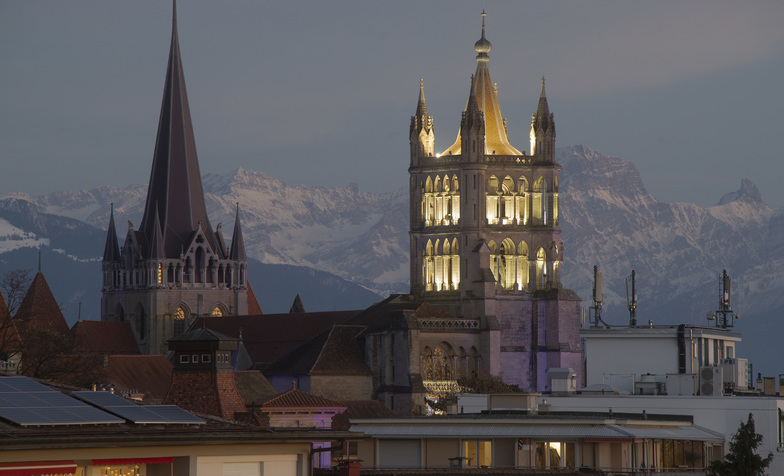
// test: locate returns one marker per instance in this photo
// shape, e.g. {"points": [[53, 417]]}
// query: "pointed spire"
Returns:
{"points": [[237, 243], [297, 306], [543, 110], [111, 252], [421, 109], [485, 95], [175, 190]]}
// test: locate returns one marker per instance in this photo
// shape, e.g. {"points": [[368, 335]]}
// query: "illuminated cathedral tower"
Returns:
{"points": [[485, 234], [174, 267]]}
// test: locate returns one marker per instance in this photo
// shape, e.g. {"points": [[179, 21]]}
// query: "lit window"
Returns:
{"points": [[179, 320], [217, 311]]}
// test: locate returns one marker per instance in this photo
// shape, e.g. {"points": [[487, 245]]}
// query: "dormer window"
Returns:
{"points": [[185, 359]]}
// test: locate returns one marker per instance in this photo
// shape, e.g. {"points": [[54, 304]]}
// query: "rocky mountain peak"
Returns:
{"points": [[748, 193]]}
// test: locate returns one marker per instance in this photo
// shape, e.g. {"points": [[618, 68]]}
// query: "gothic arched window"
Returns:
{"points": [[179, 320]]}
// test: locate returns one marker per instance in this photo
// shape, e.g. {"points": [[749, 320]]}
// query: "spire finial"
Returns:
{"points": [[39, 258], [482, 47]]}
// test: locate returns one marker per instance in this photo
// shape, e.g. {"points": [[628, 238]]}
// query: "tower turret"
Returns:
{"points": [[421, 134], [543, 131]]}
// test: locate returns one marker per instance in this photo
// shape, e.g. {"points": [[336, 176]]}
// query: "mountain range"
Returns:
{"points": [[344, 248]]}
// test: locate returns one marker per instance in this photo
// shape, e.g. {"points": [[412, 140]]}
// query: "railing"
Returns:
{"points": [[449, 323], [518, 470]]}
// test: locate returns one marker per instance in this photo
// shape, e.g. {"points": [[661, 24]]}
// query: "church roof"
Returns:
{"points": [[269, 337], [253, 386], [105, 337], [486, 96], [334, 351], [175, 192], [39, 308]]}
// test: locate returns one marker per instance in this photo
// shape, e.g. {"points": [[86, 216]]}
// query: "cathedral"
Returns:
{"points": [[485, 234], [486, 300], [174, 267]]}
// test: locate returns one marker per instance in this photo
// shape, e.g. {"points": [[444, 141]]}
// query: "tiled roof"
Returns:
{"points": [[105, 337], [334, 351], [149, 374], [269, 337], [297, 398], [253, 386], [254, 309], [360, 409], [39, 308]]}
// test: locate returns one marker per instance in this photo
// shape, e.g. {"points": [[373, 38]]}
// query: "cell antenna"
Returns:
{"points": [[597, 298], [631, 300], [724, 316]]}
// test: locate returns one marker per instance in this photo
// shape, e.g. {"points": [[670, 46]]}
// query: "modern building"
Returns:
{"points": [[174, 267], [485, 234]]}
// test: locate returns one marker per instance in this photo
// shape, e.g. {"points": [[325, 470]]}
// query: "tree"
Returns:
{"points": [[742, 459], [14, 284]]}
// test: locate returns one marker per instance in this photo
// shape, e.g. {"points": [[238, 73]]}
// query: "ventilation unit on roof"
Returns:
{"points": [[711, 383]]}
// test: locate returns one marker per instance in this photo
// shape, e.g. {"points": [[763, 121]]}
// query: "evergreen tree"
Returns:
{"points": [[742, 459]]}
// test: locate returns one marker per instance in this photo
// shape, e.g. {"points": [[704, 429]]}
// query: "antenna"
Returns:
{"points": [[597, 299], [724, 316], [631, 301]]}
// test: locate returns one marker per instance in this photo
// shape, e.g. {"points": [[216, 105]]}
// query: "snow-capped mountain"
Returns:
{"points": [[608, 219]]}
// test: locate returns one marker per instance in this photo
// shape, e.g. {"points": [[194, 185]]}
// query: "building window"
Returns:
{"points": [[179, 321], [217, 311], [478, 453], [206, 358], [555, 454], [184, 359]]}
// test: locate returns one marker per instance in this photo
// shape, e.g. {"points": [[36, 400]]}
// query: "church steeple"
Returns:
{"points": [[175, 268], [421, 135], [175, 190], [486, 96]]}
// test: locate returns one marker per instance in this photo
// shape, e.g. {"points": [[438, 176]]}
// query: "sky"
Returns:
{"points": [[321, 93]]}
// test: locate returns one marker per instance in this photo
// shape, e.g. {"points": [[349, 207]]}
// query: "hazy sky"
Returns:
{"points": [[321, 92]]}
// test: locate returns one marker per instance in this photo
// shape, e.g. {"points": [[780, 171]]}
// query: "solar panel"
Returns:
{"points": [[28, 403], [140, 414]]}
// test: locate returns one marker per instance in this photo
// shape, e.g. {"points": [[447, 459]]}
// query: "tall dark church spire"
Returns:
{"points": [[175, 181], [174, 268]]}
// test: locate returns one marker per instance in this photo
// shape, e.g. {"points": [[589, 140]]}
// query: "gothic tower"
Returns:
{"points": [[174, 267], [485, 234]]}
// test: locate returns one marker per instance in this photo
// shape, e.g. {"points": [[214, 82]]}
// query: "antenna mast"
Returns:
{"points": [[597, 298], [631, 302], [724, 316]]}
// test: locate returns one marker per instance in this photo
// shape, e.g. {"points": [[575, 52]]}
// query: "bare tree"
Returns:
{"points": [[14, 284]]}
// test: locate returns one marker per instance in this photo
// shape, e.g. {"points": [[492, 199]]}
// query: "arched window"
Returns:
{"points": [[427, 363], [506, 205], [521, 207], [539, 199], [429, 267], [541, 268], [199, 277], [217, 311], [180, 314], [506, 265], [493, 193], [443, 362], [119, 313], [522, 266], [455, 265]]}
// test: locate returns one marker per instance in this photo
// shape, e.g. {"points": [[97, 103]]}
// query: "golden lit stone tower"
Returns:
{"points": [[175, 267], [485, 234]]}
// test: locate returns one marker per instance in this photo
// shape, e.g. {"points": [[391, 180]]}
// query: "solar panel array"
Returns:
{"points": [[146, 414], [28, 403]]}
